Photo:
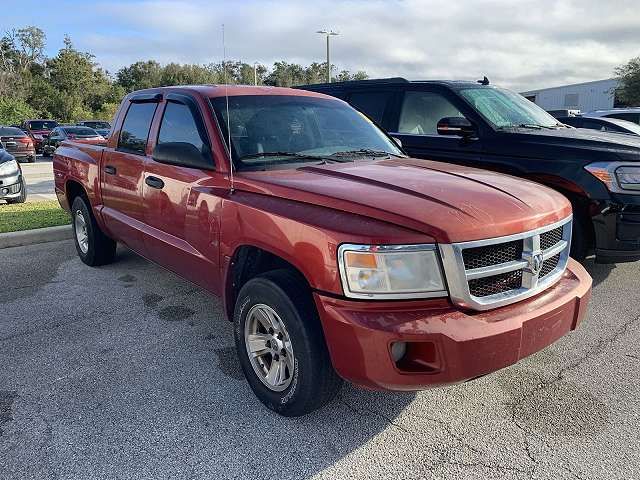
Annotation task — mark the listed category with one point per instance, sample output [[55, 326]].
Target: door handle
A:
[[154, 182], [110, 169]]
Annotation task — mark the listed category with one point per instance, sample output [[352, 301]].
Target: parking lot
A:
[[39, 177], [127, 371]]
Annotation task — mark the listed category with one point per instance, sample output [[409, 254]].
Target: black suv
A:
[[480, 125]]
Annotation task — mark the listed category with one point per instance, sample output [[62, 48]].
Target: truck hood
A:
[[450, 203], [578, 139]]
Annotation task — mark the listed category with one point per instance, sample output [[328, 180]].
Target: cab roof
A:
[[395, 81], [213, 91]]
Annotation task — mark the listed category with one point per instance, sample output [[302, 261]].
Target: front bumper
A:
[[10, 187], [446, 345], [617, 230]]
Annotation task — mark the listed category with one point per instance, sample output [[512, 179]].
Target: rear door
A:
[[418, 114], [181, 228], [123, 173], [377, 104]]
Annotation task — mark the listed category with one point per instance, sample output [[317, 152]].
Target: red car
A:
[[18, 144], [38, 130], [335, 255]]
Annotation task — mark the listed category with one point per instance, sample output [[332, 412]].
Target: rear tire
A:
[[311, 382], [93, 246]]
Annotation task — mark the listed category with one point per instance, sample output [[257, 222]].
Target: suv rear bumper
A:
[[446, 345], [617, 231]]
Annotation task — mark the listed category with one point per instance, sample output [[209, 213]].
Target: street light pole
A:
[[328, 33], [255, 73]]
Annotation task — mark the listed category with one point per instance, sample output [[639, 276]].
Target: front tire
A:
[[281, 346], [93, 246]]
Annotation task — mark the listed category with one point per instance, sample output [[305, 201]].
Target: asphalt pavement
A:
[[39, 177], [126, 371]]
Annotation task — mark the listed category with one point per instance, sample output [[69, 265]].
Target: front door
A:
[[180, 215], [123, 176], [418, 117]]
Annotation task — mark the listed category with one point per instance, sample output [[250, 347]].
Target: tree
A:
[[13, 111], [140, 75], [19, 49], [628, 91], [77, 86]]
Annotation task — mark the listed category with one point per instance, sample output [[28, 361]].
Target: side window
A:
[[631, 117], [179, 125], [373, 104], [135, 128], [593, 125], [421, 112]]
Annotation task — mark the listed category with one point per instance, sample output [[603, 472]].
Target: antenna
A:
[[226, 97]]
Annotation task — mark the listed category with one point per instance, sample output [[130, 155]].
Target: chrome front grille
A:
[[490, 273], [492, 254]]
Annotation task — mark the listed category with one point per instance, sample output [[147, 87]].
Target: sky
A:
[[518, 44]]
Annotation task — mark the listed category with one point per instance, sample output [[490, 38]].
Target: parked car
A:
[[629, 114], [99, 126], [602, 124], [484, 126], [335, 255], [73, 132], [13, 188], [18, 143], [38, 130]]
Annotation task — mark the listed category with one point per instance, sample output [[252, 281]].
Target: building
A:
[[588, 96]]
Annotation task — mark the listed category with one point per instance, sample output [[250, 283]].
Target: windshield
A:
[[81, 131], [270, 131], [43, 125], [506, 109]]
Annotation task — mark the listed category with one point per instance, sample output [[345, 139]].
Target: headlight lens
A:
[[391, 271], [8, 168], [617, 176], [628, 177]]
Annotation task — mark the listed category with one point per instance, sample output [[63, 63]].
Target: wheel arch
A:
[[247, 262]]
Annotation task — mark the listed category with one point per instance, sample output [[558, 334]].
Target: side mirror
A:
[[397, 141], [181, 154], [457, 126]]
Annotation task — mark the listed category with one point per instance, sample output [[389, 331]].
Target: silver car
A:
[[13, 188]]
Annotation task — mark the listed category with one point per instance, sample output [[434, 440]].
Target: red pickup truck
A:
[[336, 256]]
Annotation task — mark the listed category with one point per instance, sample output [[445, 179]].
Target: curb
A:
[[38, 235]]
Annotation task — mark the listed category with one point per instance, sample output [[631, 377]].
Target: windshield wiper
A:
[[322, 160], [279, 154], [365, 152]]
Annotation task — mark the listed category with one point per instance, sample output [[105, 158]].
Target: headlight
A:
[[628, 177], [619, 177], [9, 168], [390, 271]]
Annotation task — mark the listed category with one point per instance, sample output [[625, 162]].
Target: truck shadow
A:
[[210, 406], [598, 271]]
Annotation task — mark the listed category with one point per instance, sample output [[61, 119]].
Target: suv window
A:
[[594, 125], [178, 125], [373, 104], [135, 128], [421, 112]]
